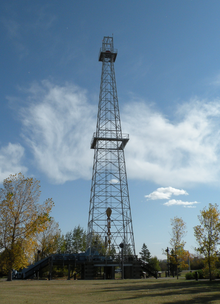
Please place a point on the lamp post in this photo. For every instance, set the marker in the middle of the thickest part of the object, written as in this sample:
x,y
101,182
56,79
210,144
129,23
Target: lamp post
x,y
122,260
168,262
38,253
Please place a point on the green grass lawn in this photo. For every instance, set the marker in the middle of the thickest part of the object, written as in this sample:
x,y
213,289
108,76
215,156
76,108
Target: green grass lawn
x,y
152,291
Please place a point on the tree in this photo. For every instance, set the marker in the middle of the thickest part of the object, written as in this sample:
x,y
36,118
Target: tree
x,y
163,265
48,240
196,262
207,235
127,251
179,256
155,263
178,232
145,253
21,219
112,251
61,244
146,256
98,245
75,240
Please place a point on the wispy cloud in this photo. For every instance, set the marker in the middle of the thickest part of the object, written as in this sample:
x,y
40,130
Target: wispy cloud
x,y
180,203
14,32
179,152
57,127
11,157
44,18
58,124
165,193
12,27
21,31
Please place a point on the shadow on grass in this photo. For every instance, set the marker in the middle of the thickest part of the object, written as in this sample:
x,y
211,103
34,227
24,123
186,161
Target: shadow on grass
x,y
197,291
198,299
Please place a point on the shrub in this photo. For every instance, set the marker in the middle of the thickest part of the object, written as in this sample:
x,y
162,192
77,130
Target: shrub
x,y
200,274
190,276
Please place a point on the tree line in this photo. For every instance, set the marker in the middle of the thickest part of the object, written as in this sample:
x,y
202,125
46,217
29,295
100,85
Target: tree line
x,y
29,233
207,237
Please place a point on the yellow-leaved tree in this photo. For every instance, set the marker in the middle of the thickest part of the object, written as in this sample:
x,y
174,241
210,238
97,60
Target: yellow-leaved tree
x,y
22,218
207,235
48,240
178,256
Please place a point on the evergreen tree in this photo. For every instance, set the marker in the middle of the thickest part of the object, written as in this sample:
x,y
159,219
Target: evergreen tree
x,y
75,240
145,253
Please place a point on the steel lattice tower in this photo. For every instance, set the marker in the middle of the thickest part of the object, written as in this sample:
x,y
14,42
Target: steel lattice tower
x,y
109,212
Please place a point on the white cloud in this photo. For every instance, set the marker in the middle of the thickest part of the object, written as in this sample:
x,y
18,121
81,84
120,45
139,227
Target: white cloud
x,y
165,193
58,126
114,181
189,206
10,160
179,152
180,203
59,122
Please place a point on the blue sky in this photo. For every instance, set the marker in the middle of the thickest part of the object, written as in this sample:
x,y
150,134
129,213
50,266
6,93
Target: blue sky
x,y
168,81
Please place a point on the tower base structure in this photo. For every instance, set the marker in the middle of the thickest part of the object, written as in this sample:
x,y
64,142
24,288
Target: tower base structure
x,y
87,267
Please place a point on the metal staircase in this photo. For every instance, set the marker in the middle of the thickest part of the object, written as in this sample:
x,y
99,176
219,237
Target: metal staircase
x,y
34,268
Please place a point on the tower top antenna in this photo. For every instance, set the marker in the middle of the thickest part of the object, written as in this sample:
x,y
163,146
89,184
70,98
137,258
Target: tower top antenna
x,y
107,50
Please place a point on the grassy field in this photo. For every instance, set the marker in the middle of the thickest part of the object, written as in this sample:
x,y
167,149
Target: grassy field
x,y
110,291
